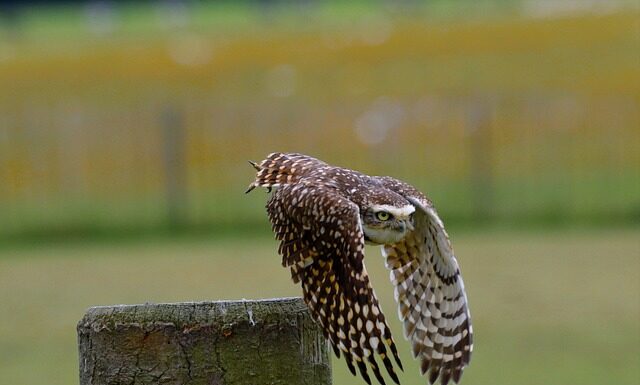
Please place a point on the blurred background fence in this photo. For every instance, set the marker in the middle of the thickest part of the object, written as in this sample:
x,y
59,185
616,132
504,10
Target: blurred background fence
x,y
138,118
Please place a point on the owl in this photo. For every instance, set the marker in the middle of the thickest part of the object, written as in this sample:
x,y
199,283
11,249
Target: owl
x,y
323,216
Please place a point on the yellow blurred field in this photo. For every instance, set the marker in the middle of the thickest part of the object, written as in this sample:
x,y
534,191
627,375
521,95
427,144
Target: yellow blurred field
x,y
524,119
548,308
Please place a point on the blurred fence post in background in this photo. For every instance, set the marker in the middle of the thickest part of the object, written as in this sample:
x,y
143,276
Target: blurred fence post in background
x,y
478,129
537,129
174,159
215,343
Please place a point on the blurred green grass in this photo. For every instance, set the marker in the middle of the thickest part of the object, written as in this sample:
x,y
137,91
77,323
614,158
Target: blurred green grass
x,y
548,307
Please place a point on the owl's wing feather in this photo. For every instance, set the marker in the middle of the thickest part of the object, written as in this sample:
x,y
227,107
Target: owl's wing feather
x,y
429,290
279,169
322,241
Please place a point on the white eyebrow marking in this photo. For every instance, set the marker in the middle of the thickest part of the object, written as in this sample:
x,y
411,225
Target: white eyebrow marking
x,y
401,212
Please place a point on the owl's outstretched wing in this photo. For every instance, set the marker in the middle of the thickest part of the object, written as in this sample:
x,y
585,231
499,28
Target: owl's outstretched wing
x,y
322,241
429,290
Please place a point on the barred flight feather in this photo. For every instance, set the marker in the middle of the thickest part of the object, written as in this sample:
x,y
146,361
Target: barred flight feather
x,y
431,298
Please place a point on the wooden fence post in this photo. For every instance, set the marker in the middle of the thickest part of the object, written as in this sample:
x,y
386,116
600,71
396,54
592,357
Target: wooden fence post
x,y
213,343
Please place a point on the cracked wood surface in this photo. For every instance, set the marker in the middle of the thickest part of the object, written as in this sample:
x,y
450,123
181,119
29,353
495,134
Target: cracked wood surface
x,y
266,342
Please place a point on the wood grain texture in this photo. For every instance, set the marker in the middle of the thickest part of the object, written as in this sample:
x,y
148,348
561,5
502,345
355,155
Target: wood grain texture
x,y
264,342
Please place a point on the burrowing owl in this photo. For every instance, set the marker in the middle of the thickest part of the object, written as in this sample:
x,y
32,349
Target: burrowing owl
x,y
323,216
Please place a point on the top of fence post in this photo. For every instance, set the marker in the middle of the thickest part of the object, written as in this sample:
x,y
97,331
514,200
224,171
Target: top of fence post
x,y
215,343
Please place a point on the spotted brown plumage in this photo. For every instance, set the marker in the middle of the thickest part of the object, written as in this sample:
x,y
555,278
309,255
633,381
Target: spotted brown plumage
x,y
323,215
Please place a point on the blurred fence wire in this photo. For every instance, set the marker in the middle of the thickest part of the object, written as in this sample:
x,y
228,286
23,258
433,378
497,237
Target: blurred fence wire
x,y
127,133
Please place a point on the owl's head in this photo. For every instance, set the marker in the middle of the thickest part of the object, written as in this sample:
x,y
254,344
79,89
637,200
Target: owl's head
x,y
384,224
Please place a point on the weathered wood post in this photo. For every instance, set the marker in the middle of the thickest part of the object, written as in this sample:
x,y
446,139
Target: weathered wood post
x,y
213,343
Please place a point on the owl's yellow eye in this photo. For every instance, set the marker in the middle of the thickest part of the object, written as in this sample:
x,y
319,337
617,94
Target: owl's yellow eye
x,y
383,215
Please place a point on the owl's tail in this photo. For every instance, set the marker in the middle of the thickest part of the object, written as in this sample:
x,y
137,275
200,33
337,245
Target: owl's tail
x,y
281,168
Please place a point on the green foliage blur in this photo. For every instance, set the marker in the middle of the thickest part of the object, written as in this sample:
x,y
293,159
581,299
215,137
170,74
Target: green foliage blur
x,y
125,131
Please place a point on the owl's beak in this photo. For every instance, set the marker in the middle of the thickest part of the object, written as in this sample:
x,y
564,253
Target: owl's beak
x,y
409,224
405,225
